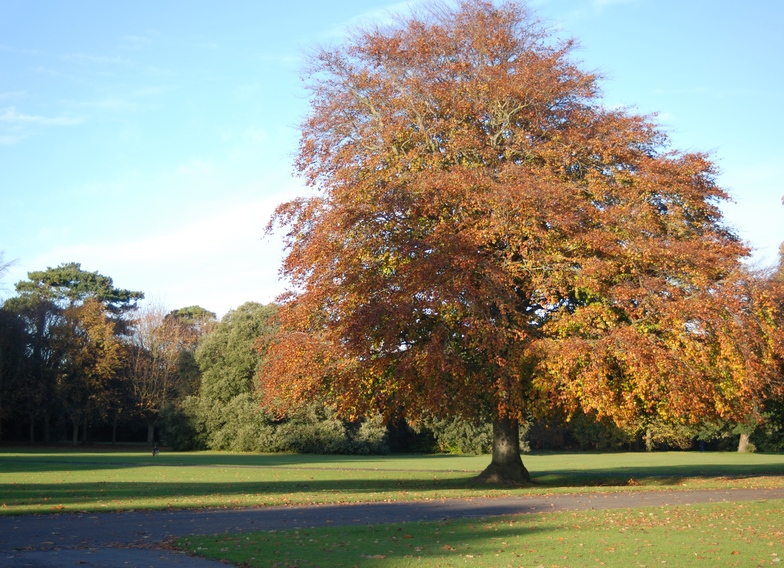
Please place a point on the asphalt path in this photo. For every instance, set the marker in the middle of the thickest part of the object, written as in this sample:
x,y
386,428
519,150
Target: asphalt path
x,y
138,539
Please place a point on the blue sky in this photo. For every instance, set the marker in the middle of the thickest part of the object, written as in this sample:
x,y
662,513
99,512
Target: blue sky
x,y
150,140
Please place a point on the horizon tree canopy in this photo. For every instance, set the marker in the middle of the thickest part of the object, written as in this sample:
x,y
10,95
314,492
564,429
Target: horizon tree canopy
x,y
69,283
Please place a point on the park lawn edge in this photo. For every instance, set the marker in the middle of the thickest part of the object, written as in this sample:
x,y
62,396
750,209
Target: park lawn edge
x,y
40,483
670,532
310,500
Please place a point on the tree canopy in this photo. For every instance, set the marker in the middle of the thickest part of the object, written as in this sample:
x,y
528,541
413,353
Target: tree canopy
x,y
229,357
69,283
69,360
486,237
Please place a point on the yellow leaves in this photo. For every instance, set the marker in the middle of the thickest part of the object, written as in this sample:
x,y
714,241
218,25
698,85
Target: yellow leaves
x,y
483,229
589,321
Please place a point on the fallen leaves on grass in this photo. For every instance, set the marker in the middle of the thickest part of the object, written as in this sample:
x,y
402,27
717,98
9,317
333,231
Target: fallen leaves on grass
x,y
740,534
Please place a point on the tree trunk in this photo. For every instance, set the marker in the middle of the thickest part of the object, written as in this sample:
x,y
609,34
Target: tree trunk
x,y
46,428
114,429
32,429
506,466
743,444
150,433
76,422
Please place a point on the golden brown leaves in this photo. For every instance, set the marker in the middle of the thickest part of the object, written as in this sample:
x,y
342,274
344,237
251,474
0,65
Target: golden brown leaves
x,y
487,238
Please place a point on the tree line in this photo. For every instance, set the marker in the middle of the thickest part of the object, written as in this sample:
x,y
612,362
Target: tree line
x,y
78,352
80,359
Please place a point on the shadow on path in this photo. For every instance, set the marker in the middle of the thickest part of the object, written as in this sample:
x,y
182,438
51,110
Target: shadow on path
x,y
111,539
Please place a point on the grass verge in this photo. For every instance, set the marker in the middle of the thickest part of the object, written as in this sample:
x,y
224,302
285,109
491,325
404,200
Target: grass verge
x,y
59,480
727,534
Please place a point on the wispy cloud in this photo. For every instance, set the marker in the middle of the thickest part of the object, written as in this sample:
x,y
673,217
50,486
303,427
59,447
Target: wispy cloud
x,y
11,116
582,11
55,73
111,104
138,42
117,100
709,91
15,126
195,167
286,60
200,251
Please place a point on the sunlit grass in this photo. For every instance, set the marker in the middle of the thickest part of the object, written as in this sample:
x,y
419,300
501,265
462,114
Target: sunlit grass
x,y
727,534
64,480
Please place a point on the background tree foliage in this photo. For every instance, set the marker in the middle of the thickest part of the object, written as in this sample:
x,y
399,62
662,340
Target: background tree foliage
x,y
90,355
227,406
66,313
158,351
69,284
486,239
226,412
49,357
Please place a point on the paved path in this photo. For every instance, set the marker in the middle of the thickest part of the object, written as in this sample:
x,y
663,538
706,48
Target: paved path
x,y
134,539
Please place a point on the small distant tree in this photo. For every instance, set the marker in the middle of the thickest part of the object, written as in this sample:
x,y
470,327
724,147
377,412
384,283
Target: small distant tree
x,y
486,239
195,323
155,356
89,358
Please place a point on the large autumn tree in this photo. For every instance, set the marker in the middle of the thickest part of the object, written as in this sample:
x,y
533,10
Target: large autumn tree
x,y
485,238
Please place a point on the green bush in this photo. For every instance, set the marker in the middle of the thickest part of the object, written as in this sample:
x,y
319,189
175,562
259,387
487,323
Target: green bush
x,y
371,437
243,427
460,436
313,437
180,429
316,430
769,436
590,433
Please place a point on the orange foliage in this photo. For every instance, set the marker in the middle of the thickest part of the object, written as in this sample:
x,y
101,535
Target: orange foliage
x,y
485,237
91,356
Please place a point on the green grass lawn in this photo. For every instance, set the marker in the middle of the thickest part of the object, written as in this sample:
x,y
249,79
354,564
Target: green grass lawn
x,y
726,534
45,481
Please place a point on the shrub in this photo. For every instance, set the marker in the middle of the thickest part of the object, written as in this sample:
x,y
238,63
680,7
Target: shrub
x,y
590,433
316,430
180,427
460,436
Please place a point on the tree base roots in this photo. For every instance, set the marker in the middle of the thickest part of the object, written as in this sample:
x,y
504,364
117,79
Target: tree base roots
x,y
512,474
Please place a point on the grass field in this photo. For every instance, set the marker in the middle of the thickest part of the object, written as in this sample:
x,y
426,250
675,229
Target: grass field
x,y
57,480
728,534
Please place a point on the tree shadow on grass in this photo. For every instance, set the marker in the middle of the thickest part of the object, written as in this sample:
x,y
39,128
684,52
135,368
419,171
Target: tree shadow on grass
x,y
407,466
302,486
57,461
505,541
